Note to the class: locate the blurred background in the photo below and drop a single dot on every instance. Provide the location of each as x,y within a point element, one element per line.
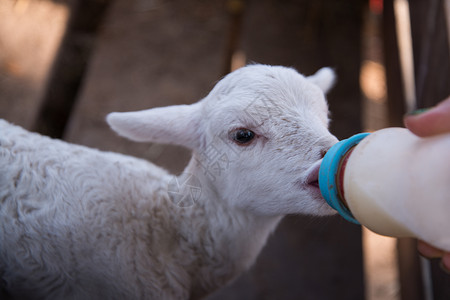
<point>65,64</point>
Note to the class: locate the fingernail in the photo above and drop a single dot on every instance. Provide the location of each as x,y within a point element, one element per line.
<point>419,111</point>
<point>444,268</point>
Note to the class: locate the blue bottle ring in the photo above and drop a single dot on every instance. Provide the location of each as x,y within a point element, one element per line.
<point>329,171</point>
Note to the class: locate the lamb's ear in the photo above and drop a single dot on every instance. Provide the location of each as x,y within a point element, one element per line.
<point>324,78</point>
<point>177,125</point>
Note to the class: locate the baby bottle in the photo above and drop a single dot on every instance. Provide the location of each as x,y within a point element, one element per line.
<point>392,182</point>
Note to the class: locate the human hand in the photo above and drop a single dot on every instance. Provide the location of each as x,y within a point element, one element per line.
<point>432,121</point>
<point>424,123</point>
<point>429,251</point>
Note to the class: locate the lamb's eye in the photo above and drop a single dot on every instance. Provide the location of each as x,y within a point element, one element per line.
<point>242,136</point>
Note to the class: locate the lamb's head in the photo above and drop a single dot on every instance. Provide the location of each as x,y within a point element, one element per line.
<point>258,137</point>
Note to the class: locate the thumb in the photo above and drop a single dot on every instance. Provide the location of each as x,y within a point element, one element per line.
<point>431,121</point>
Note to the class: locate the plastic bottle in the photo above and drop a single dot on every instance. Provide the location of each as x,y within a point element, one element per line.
<point>392,182</point>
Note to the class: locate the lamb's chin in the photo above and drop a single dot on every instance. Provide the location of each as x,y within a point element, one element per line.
<point>320,206</point>
<point>325,210</point>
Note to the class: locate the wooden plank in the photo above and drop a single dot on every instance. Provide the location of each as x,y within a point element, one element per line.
<point>308,258</point>
<point>30,34</point>
<point>69,67</point>
<point>411,285</point>
<point>148,54</point>
<point>431,51</point>
<point>441,281</point>
<point>394,83</point>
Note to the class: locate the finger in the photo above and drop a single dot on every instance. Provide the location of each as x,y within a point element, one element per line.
<point>446,262</point>
<point>431,122</point>
<point>429,251</point>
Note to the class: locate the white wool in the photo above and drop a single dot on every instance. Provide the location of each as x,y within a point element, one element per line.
<point>78,223</point>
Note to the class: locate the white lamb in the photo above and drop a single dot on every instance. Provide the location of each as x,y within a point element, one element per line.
<point>77,223</point>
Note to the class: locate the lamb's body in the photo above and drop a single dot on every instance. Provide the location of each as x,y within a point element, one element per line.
<point>100,225</point>
<point>78,223</point>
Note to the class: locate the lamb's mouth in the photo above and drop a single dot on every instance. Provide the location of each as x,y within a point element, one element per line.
<point>314,184</point>
<point>312,179</point>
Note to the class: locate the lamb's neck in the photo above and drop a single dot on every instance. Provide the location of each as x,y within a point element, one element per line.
<point>231,232</point>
